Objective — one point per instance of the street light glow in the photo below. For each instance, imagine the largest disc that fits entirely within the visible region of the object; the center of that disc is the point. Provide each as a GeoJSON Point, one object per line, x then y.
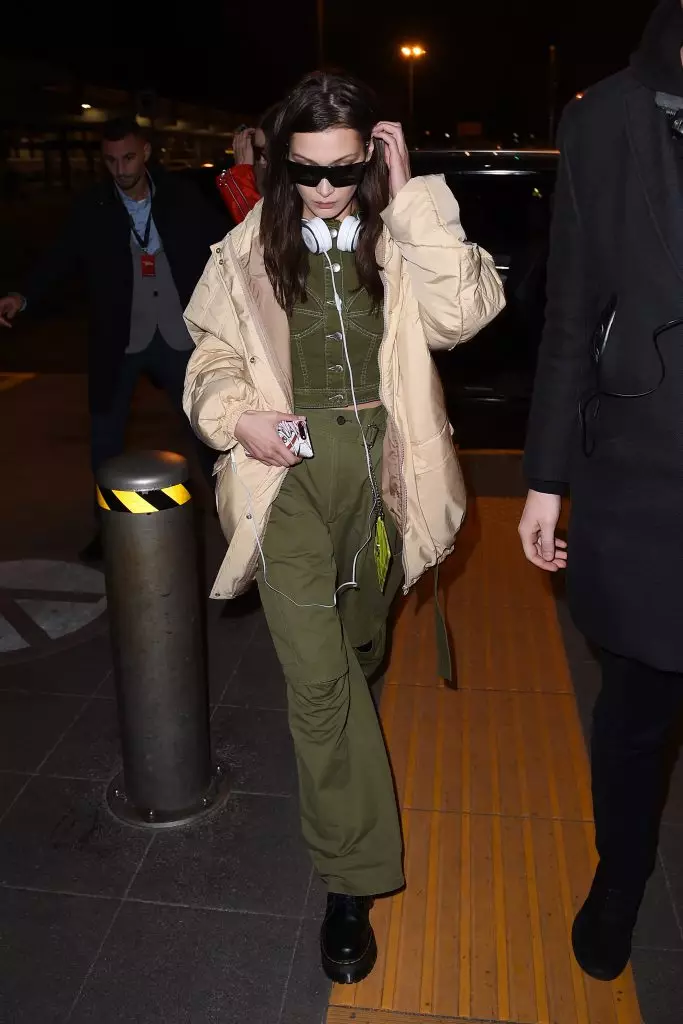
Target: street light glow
{"type": "Point", "coordinates": [413, 51]}
{"type": "Point", "coordinates": [86, 106]}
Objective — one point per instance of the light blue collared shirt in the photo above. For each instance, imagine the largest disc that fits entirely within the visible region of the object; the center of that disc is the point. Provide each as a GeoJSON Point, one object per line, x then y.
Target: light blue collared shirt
{"type": "Point", "coordinates": [139, 210]}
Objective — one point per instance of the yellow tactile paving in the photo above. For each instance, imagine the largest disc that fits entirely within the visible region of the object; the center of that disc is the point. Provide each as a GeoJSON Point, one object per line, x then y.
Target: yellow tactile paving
{"type": "Point", "coordinates": [494, 788]}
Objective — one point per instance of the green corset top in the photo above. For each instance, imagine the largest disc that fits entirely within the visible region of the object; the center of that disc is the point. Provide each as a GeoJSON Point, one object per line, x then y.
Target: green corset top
{"type": "Point", "coordinates": [319, 369]}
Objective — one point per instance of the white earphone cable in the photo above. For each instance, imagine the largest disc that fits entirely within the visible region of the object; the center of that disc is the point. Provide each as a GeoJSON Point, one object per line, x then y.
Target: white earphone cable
{"type": "Point", "coordinates": [376, 502]}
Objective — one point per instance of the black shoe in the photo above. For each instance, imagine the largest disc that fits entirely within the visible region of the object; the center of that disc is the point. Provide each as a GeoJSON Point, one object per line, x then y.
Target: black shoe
{"type": "Point", "coordinates": [603, 929]}
{"type": "Point", "coordinates": [93, 552]}
{"type": "Point", "coordinates": [347, 941]}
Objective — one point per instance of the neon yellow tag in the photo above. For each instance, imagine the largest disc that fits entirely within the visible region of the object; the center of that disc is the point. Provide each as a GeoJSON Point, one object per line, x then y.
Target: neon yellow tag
{"type": "Point", "coordinates": [382, 552]}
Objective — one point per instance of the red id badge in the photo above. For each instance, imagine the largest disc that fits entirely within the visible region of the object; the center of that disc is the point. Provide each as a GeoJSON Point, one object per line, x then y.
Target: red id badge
{"type": "Point", "coordinates": [148, 264]}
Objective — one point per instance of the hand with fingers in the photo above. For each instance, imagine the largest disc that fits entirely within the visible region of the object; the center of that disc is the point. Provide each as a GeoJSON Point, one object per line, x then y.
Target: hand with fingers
{"type": "Point", "coordinates": [243, 146]}
{"type": "Point", "coordinates": [537, 531]}
{"type": "Point", "coordinates": [10, 305]}
{"type": "Point", "coordinates": [395, 153]}
{"type": "Point", "coordinates": [257, 433]}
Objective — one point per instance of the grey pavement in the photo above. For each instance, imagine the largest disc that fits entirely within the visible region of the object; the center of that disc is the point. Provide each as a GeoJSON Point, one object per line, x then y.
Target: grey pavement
{"type": "Point", "coordinates": [100, 921]}
{"type": "Point", "coordinates": [217, 921]}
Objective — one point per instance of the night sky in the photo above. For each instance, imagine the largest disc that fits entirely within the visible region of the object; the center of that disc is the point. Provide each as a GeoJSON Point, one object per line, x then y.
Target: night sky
{"type": "Point", "coordinates": [487, 59]}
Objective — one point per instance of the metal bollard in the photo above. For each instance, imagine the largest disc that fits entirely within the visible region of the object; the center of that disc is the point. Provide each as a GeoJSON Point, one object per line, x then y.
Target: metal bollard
{"type": "Point", "coordinates": [153, 595]}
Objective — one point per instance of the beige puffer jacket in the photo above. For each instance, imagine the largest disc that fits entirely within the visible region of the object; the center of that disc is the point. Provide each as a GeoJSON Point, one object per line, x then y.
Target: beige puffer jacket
{"type": "Point", "coordinates": [439, 291]}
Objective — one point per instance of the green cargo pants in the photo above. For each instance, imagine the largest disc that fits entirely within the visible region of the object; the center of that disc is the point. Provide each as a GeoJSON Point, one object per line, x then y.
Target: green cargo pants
{"type": "Point", "coordinates": [320, 520]}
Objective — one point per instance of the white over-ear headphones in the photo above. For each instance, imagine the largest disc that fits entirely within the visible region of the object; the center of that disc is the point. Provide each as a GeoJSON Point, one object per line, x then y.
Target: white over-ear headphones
{"type": "Point", "coordinates": [318, 239]}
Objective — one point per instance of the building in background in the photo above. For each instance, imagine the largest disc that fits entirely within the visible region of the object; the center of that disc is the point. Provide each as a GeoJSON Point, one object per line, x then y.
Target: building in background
{"type": "Point", "coordinates": [49, 127]}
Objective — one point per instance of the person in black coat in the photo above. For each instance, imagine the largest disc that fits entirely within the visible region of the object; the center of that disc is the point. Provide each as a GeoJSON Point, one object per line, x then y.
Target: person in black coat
{"type": "Point", "coordinates": [606, 426]}
{"type": "Point", "coordinates": [141, 240]}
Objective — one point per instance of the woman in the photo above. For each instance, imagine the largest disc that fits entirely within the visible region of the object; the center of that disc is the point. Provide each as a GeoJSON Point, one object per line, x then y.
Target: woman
{"type": "Point", "coordinates": [340, 337]}
{"type": "Point", "coordinates": [241, 186]}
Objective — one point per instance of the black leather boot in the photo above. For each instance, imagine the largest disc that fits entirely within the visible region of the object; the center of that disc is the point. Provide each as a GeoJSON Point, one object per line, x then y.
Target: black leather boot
{"type": "Point", "coordinates": [347, 941]}
{"type": "Point", "coordinates": [603, 928]}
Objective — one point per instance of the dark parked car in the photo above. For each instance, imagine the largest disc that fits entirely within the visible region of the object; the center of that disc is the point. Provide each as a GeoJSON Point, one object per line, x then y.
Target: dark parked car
{"type": "Point", "coordinates": [505, 200]}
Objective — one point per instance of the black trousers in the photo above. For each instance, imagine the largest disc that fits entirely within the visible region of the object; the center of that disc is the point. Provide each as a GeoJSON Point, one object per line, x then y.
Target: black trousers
{"type": "Point", "coordinates": [636, 723]}
{"type": "Point", "coordinates": [166, 367]}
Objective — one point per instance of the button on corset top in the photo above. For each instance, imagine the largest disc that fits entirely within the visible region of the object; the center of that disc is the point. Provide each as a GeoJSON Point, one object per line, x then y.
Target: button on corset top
{"type": "Point", "coordinates": [319, 369]}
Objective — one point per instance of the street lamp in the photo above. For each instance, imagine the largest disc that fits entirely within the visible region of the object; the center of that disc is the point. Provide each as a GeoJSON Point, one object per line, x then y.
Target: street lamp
{"type": "Point", "coordinates": [412, 52]}
{"type": "Point", "coordinates": [320, 8]}
{"type": "Point", "coordinates": [552, 93]}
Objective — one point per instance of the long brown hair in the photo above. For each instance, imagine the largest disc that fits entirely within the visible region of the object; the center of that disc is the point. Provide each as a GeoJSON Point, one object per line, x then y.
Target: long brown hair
{"type": "Point", "coordinates": [319, 102]}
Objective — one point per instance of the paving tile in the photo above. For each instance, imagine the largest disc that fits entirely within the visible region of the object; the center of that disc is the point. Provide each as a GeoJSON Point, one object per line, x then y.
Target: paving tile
{"type": "Point", "coordinates": [308, 991]}
{"type": "Point", "coordinates": [107, 687]}
{"type": "Point", "coordinates": [257, 749]}
{"type": "Point", "coordinates": [659, 982]}
{"type": "Point", "coordinates": [31, 725]}
{"type": "Point", "coordinates": [47, 943]}
{"type": "Point", "coordinates": [229, 636]}
{"type": "Point", "coordinates": [60, 836]}
{"type": "Point", "coordinates": [258, 681]}
{"type": "Point", "coordinates": [79, 669]}
{"type": "Point", "coordinates": [250, 856]}
{"type": "Point", "coordinates": [316, 899]}
{"type": "Point", "coordinates": [91, 748]}
{"type": "Point", "coordinates": [186, 966]}
{"type": "Point", "coordinates": [658, 926]}
{"type": "Point", "coordinates": [11, 784]}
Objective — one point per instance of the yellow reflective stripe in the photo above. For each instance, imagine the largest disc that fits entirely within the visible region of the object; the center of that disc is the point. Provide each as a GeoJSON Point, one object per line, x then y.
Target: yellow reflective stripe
{"type": "Point", "coordinates": [100, 500]}
{"type": "Point", "coordinates": [178, 493]}
{"type": "Point", "coordinates": [133, 501]}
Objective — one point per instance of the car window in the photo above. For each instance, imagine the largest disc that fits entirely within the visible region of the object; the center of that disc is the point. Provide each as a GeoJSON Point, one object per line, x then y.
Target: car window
{"type": "Point", "coordinates": [505, 201]}
{"type": "Point", "coordinates": [503, 213]}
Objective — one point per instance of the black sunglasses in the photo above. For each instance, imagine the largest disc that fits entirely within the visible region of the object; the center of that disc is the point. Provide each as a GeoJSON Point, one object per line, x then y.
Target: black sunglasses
{"type": "Point", "coordinates": [338, 177]}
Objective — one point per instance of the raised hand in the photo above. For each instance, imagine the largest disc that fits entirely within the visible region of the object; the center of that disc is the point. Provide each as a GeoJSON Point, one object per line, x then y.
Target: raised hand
{"type": "Point", "coordinates": [395, 153]}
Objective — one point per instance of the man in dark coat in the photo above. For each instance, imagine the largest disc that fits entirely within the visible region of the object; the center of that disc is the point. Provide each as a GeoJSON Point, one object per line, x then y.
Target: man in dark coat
{"type": "Point", "coordinates": [141, 240]}
{"type": "Point", "coordinates": [607, 427]}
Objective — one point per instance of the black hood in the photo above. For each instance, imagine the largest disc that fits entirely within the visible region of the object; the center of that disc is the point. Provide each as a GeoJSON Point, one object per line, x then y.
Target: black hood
{"type": "Point", "coordinates": [657, 63]}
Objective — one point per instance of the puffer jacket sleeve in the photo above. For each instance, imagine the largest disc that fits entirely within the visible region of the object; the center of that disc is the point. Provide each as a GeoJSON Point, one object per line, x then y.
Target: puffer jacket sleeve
{"type": "Point", "coordinates": [455, 282]}
{"type": "Point", "coordinates": [217, 385]}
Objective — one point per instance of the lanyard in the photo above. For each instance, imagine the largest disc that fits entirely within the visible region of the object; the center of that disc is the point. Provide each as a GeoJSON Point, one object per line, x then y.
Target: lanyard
{"type": "Point", "coordinates": [143, 241]}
